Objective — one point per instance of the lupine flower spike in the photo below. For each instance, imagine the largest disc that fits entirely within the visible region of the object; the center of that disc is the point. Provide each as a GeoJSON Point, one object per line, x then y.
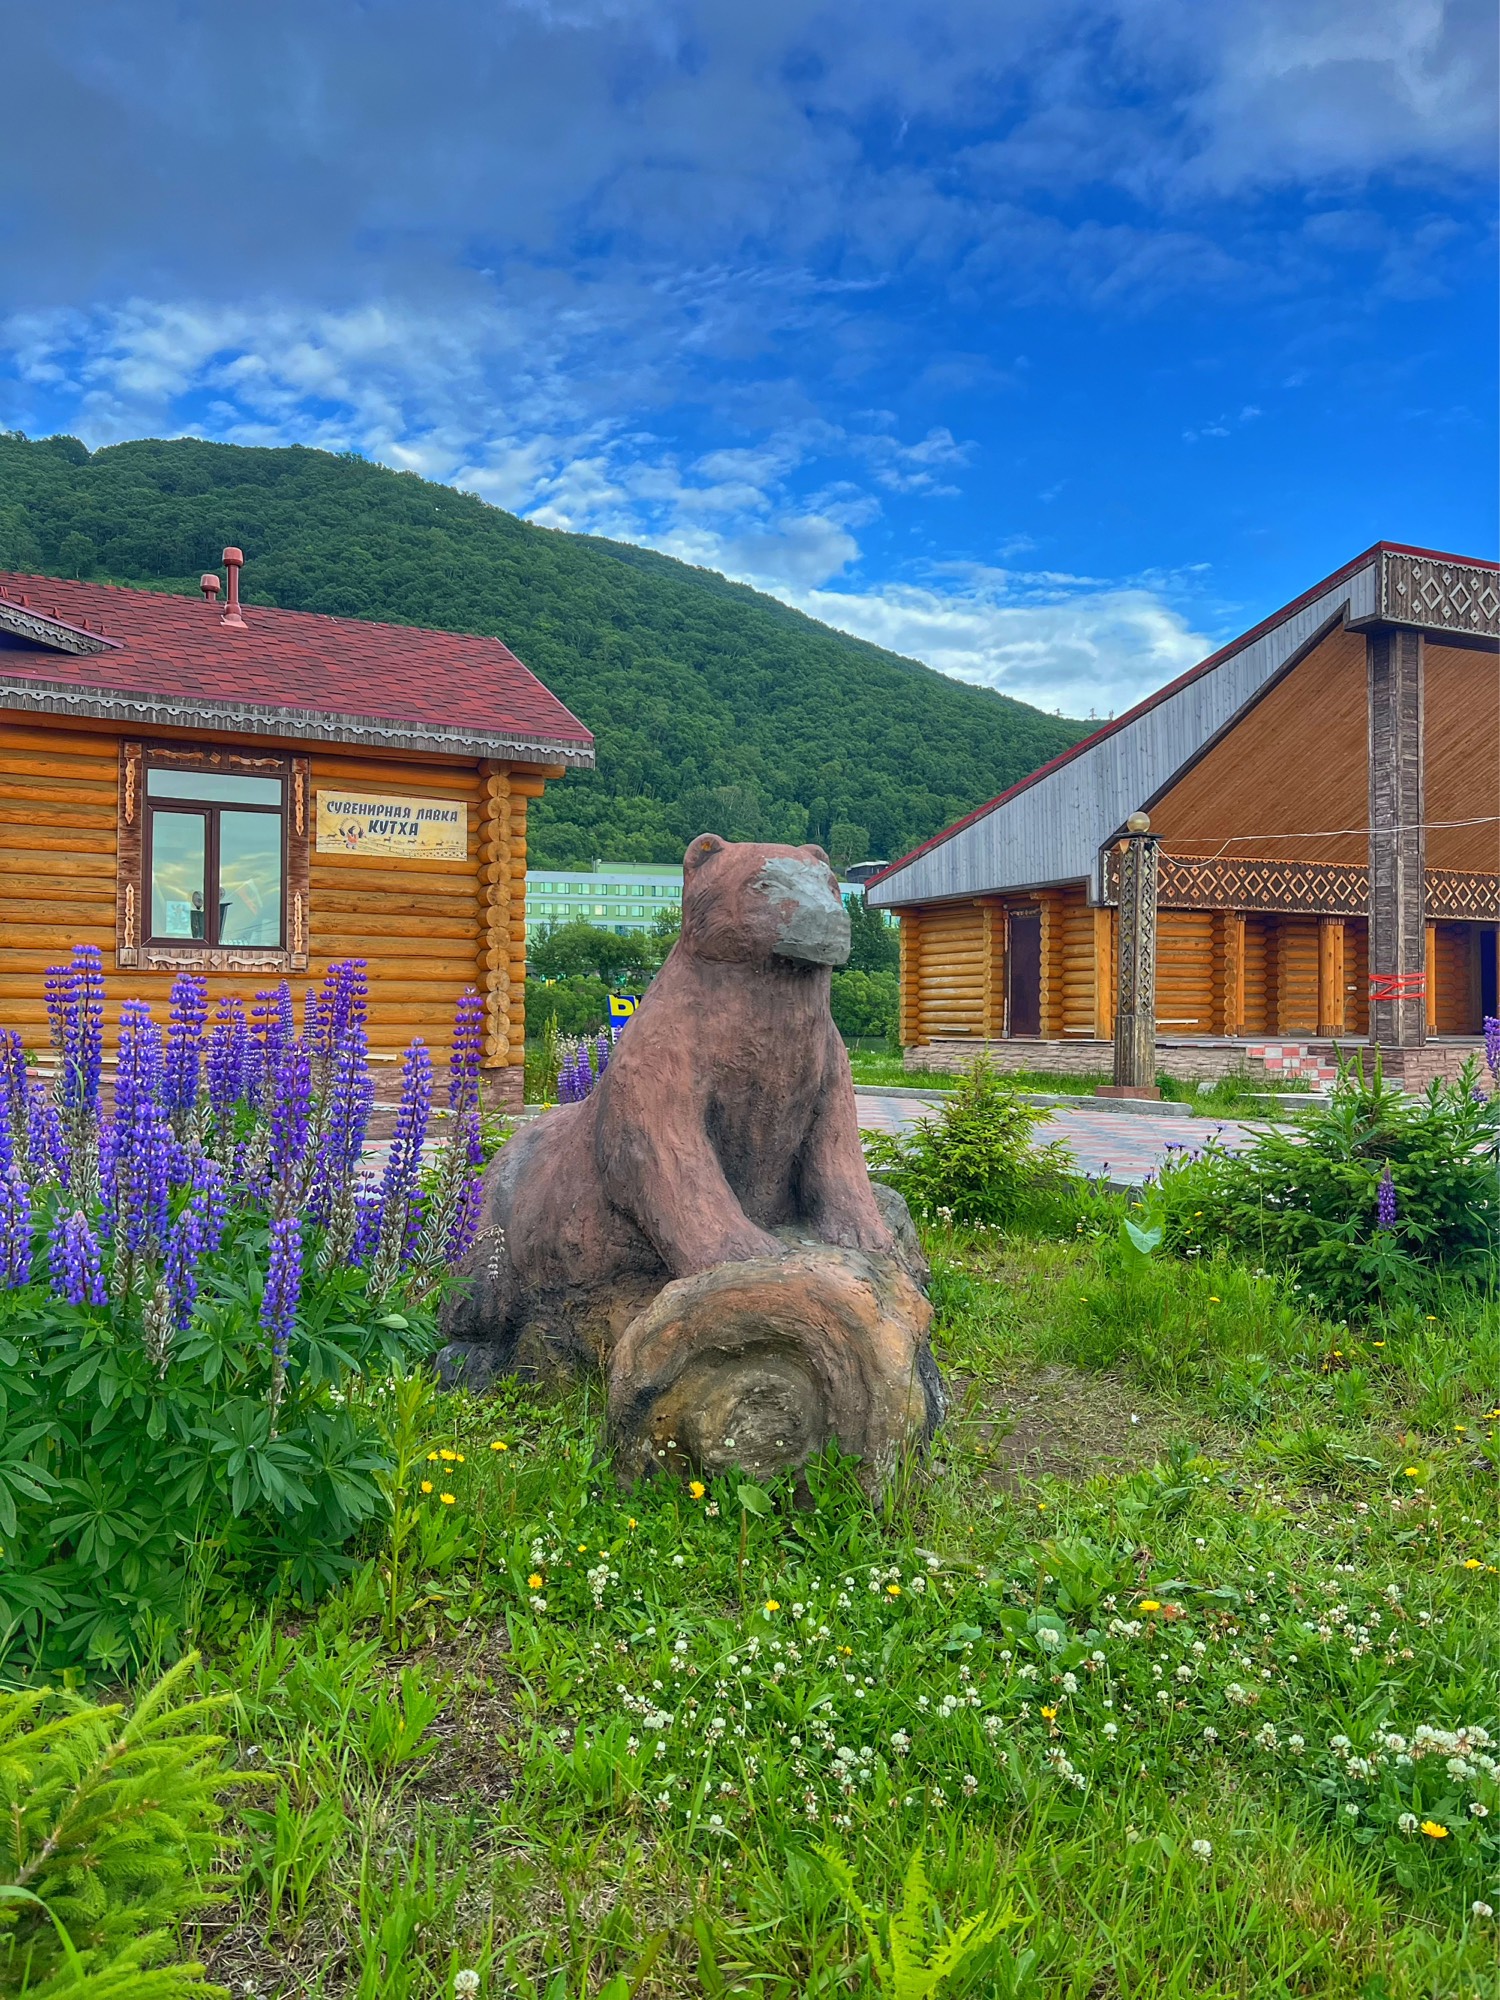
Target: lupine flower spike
{"type": "Point", "coordinates": [279, 1302]}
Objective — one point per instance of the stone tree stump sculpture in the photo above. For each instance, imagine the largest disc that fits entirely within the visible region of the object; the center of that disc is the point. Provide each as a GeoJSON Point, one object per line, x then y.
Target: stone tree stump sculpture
{"type": "Point", "coordinates": [702, 1226]}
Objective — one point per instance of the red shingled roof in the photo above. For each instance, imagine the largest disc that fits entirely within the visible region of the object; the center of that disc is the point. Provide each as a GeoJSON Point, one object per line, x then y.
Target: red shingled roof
{"type": "Point", "coordinates": [288, 673]}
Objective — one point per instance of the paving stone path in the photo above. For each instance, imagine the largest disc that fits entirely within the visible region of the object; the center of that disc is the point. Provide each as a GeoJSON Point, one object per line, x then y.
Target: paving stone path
{"type": "Point", "coordinates": [1116, 1146]}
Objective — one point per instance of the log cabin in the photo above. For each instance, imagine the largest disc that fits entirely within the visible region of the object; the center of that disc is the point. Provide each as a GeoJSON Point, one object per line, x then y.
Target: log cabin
{"type": "Point", "coordinates": [255, 793]}
{"type": "Point", "coordinates": [1325, 795]}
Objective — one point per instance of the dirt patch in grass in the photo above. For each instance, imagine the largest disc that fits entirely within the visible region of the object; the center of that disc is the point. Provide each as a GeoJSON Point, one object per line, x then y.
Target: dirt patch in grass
{"type": "Point", "coordinates": [1057, 1422]}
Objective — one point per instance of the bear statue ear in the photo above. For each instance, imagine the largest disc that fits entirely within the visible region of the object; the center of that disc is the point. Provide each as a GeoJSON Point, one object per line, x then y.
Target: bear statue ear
{"type": "Point", "coordinates": [700, 850]}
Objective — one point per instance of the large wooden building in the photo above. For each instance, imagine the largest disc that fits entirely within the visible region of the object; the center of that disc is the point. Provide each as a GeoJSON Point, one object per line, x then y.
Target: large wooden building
{"type": "Point", "coordinates": [1326, 793]}
{"type": "Point", "coordinates": [255, 793]}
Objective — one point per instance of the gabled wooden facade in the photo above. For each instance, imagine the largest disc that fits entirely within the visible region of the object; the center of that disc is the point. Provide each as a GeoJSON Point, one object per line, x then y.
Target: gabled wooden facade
{"type": "Point", "coordinates": [371, 781]}
{"type": "Point", "coordinates": [1372, 702]}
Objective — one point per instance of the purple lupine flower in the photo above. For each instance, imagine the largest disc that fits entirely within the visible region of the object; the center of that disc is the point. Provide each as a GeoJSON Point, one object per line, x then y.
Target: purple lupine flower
{"type": "Point", "coordinates": [142, 1183]}
{"type": "Point", "coordinates": [274, 1023]}
{"type": "Point", "coordinates": [138, 1071]}
{"type": "Point", "coordinates": [15, 1228]}
{"type": "Point", "coordinates": [603, 1049]}
{"type": "Point", "coordinates": [400, 1191]}
{"type": "Point", "coordinates": [350, 1093]}
{"type": "Point", "coordinates": [1385, 1201]}
{"type": "Point", "coordinates": [468, 1051]}
{"type": "Point", "coordinates": [367, 1207]}
{"type": "Point", "coordinates": [289, 1087]}
{"type": "Point", "coordinates": [463, 1227]}
{"type": "Point", "coordinates": [13, 1092]}
{"type": "Point", "coordinates": [73, 1261]}
{"type": "Point", "coordinates": [75, 1010]}
{"type": "Point", "coordinates": [339, 1011]}
{"type": "Point", "coordinates": [184, 1049]}
{"type": "Point", "coordinates": [194, 1235]}
{"type": "Point", "coordinates": [279, 1301]}
{"type": "Point", "coordinates": [1492, 1045]}
{"type": "Point", "coordinates": [46, 1144]}
{"type": "Point", "coordinates": [231, 1059]}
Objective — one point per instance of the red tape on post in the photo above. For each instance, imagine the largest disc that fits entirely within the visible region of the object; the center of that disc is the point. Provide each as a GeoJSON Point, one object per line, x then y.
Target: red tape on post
{"type": "Point", "coordinates": [1398, 985]}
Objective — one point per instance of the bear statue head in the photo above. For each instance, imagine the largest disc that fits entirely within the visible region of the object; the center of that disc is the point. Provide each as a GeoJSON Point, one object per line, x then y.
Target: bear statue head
{"type": "Point", "coordinates": [751, 900]}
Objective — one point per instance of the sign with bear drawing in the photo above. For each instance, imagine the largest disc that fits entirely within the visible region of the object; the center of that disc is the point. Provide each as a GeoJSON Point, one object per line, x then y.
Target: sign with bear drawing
{"type": "Point", "coordinates": [419, 829]}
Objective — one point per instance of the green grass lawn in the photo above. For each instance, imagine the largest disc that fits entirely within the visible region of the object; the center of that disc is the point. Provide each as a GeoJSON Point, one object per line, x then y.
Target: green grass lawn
{"type": "Point", "coordinates": [1148, 1659]}
{"type": "Point", "coordinates": [1231, 1096]}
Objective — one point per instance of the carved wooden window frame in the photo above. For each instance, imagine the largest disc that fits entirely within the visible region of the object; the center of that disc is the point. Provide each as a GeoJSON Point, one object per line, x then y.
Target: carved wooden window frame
{"type": "Point", "coordinates": [132, 891]}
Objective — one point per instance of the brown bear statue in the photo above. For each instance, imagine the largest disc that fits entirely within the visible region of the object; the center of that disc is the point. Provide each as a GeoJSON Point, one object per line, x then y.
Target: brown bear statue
{"type": "Point", "coordinates": [723, 1133]}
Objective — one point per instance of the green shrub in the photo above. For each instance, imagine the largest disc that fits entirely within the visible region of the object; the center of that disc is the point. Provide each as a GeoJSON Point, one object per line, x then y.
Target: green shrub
{"type": "Point", "coordinates": [975, 1161]}
{"type": "Point", "coordinates": [580, 1006]}
{"type": "Point", "coordinates": [1309, 1200]}
{"type": "Point", "coordinates": [865, 1005]}
{"type": "Point", "coordinates": [108, 1830]}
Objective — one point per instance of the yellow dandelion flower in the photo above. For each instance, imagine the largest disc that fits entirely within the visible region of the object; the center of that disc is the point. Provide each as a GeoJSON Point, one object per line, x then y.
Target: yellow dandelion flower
{"type": "Point", "coordinates": [1434, 1829]}
{"type": "Point", "coordinates": [1378, 1343]}
{"type": "Point", "coordinates": [1473, 1562]}
{"type": "Point", "coordinates": [447, 1456]}
{"type": "Point", "coordinates": [432, 1458]}
{"type": "Point", "coordinates": [1214, 1299]}
{"type": "Point", "coordinates": [1049, 1714]}
{"type": "Point", "coordinates": [499, 1444]}
{"type": "Point", "coordinates": [1148, 1604]}
{"type": "Point", "coordinates": [426, 1485]}
{"type": "Point", "coordinates": [446, 1498]}
{"type": "Point", "coordinates": [459, 1456]}
{"type": "Point", "coordinates": [632, 1524]}
{"type": "Point", "coordinates": [773, 1604]}
{"type": "Point", "coordinates": [1414, 1472]}
{"type": "Point", "coordinates": [847, 1651]}
{"type": "Point", "coordinates": [893, 1590]}
{"type": "Point", "coordinates": [534, 1582]}
{"type": "Point", "coordinates": [697, 1488]}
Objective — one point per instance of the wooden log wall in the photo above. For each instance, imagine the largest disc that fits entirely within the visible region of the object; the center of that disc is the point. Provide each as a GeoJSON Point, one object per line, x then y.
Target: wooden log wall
{"type": "Point", "coordinates": [1185, 973]}
{"type": "Point", "coordinates": [429, 929]}
{"type": "Point", "coordinates": [1219, 973]}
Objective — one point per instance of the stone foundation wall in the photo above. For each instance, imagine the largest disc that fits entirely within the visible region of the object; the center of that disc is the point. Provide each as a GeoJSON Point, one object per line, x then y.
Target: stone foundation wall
{"type": "Point", "coordinates": [1313, 1062]}
{"type": "Point", "coordinates": [1191, 1063]}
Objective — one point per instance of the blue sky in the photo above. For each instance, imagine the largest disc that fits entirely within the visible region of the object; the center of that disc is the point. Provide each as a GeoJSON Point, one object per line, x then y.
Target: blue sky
{"type": "Point", "coordinates": [1049, 341]}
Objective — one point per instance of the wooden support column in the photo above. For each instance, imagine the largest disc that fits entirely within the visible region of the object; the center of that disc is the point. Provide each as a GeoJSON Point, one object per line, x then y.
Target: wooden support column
{"type": "Point", "coordinates": [1104, 975]}
{"type": "Point", "coordinates": [1397, 844]}
{"type": "Point", "coordinates": [1135, 1020]}
{"type": "Point", "coordinates": [494, 912]}
{"type": "Point", "coordinates": [911, 979]}
{"type": "Point", "coordinates": [1230, 944]}
{"type": "Point", "coordinates": [1051, 905]}
{"type": "Point", "coordinates": [1429, 966]}
{"type": "Point", "coordinates": [992, 1019]}
{"type": "Point", "coordinates": [1331, 1007]}
{"type": "Point", "coordinates": [524, 786]}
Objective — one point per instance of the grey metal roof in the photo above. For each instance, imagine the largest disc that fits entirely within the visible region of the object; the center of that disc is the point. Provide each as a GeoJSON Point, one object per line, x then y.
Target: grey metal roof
{"type": "Point", "coordinates": [1053, 826]}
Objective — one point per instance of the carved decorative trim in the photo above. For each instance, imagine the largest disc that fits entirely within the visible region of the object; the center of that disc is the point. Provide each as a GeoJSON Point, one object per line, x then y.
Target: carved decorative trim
{"type": "Point", "coordinates": [299, 864]}
{"type": "Point", "coordinates": [216, 958]}
{"type": "Point", "coordinates": [58, 635]}
{"type": "Point", "coordinates": [1306, 888]}
{"type": "Point", "coordinates": [1439, 596]}
{"type": "Point", "coordinates": [128, 856]}
{"type": "Point", "coordinates": [307, 725]}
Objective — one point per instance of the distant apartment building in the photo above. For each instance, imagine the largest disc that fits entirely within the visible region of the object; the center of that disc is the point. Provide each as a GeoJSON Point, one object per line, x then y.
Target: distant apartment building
{"type": "Point", "coordinates": [621, 896]}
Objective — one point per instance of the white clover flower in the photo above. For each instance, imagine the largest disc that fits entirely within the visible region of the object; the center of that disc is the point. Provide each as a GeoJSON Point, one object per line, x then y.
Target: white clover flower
{"type": "Point", "coordinates": [465, 1984]}
{"type": "Point", "coordinates": [1407, 1822]}
{"type": "Point", "coordinates": [1203, 1849]}
{"type": "Point", "coordinates": [1111, 1729]}
{"type": "Point", "coordinates": [1481, 1910]}
{"type": "Point", "coordinates": [1479, 1811]}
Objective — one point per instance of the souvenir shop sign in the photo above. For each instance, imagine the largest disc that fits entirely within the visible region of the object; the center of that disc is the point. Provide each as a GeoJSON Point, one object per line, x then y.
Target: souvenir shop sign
{"type": "Point", "coordinates": [419, 829]}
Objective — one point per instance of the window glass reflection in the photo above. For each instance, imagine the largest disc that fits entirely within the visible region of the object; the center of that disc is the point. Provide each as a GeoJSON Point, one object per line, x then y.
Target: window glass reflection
{"type": "Point", "coordinates": [249, 878]}
{"type": "Point", "coordinates": [179, 849]}
{"type": "Point", "coordinates": [215, 787]}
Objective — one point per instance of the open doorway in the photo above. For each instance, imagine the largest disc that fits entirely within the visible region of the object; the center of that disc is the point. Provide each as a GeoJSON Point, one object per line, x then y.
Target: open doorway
{"type": "Point", "coordinates": [1023, 973]}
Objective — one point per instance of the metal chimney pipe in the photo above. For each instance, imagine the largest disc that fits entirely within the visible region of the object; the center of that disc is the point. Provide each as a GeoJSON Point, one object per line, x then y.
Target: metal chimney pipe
{"type": "Point", "coordinates": [233, 558]}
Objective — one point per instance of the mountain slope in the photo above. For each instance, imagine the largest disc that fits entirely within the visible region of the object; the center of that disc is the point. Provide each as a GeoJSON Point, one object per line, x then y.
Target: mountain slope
{"type": "Point", "coordinates": [714, 707]}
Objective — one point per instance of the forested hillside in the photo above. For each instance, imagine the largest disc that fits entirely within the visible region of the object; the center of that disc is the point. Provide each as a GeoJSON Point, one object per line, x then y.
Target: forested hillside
{"type": "Point", "coordinates": [714, 707]}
